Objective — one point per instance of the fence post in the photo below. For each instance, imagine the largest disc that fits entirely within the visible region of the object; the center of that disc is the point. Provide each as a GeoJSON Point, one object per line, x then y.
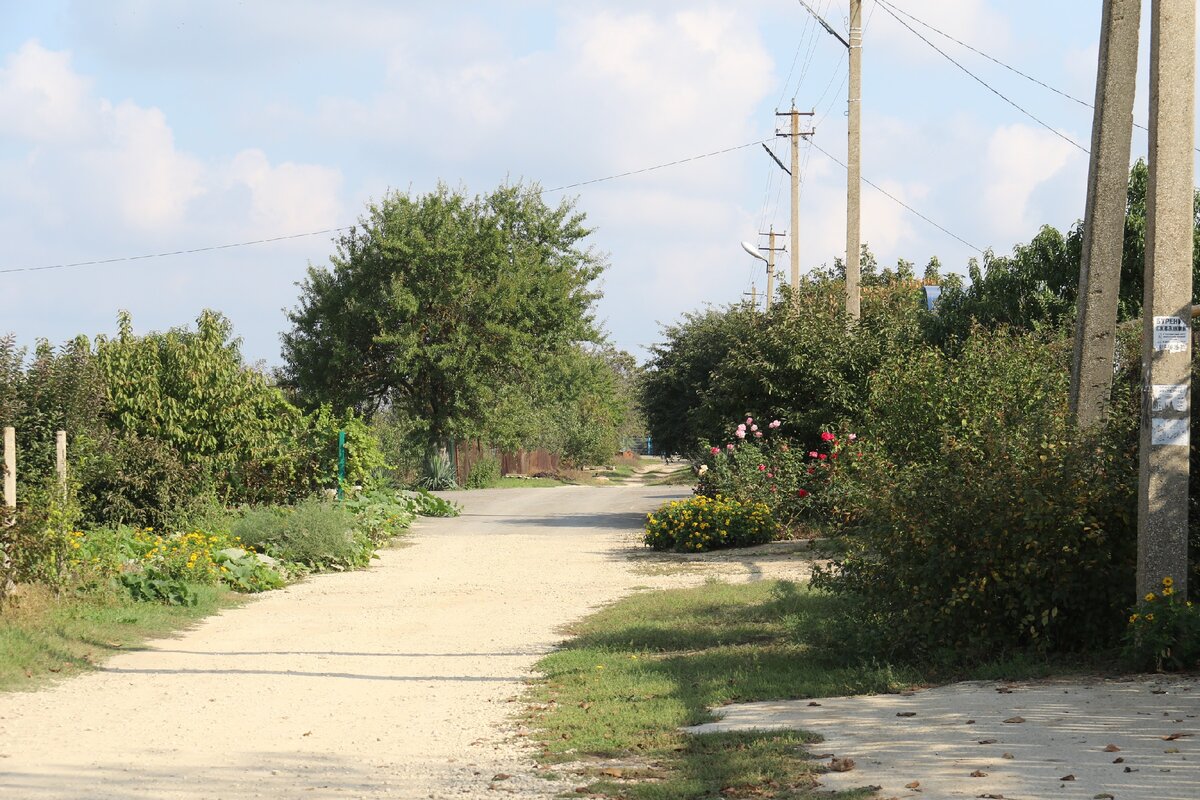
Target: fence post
{"type": "Point", "coordinates": [10, 467]}
{"type": "Point", "coordinates": [60, 460]}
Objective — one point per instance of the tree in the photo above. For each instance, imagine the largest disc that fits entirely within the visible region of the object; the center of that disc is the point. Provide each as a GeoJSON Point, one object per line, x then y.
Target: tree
{"type": "Point", "coordinates": [436, 306]}
{"type": "Point", "coordinates": [1038, 284]}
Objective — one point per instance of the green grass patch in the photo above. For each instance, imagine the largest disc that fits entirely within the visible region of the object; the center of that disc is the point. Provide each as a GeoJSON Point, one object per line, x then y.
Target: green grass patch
{"type": "Point", "coordinates": [683, 476]}
{"type": "Point", "coordinates": [44, 637]}
{"type": "Point", "coordinates": [638, 670]}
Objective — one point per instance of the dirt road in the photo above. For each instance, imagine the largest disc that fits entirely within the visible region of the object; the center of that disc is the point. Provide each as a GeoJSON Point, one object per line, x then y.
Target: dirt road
{"type": "Point", "coordinates": [394, 682]}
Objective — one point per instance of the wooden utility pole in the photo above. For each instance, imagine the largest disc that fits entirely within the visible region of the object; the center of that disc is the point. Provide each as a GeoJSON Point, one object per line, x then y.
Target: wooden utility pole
{"type": "Point", "coordinates": [853, 162]}
{"type": "Point", "coordinates": [795, 134]}
{"type": "Point", "coordinates": [1166, 308]}
{"type": "Point", "coordinates": [1104, 216]}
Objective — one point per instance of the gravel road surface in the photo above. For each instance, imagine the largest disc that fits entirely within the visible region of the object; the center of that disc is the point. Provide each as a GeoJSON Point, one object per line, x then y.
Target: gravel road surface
{"type": "Point", "coordinates": [394, 682]}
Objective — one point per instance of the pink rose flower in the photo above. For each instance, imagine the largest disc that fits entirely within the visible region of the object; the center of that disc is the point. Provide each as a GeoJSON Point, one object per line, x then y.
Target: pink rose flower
{"type": "Point", "coordinates": [715, 450]}
{"type": "Point", "coordinates": [729, 447]}
{"type": "Point", "coordinates": [826, 436]}
{"type": "Point", "coordinates": [758, 434]}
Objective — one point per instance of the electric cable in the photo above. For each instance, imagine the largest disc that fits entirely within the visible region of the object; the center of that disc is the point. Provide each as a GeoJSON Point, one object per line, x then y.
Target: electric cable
{"type": "Point", "coordinates": [267, 240]}
{"type": "Point", "coordinates": [887, 7]}
{"type": "Point", "coordinates": [897, 200]}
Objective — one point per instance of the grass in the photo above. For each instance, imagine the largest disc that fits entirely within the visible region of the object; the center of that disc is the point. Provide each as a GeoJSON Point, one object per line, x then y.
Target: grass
{"type": "Point", "coordinates": [44, 637]}
{"type": "Point", "coordinates": [683, 476]}
{"type": "Point", "coordinates": [637, 671]}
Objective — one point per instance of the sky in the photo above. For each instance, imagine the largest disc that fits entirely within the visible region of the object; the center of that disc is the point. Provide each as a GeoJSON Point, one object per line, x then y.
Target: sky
{"type": "Point", "coordinates": [135, 127]}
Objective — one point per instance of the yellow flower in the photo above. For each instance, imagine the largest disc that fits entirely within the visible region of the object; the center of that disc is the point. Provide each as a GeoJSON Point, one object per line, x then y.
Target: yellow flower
{"type": "Point", "coordinates": [1150, 597]}
{"type": "Point", "coordinates": [1168, 582]}
{"type": "Point", "coordinates": [1133, 619]}
{"type": "Point", "coordinates": [1149, 618]}
{"type": "Point", "coordinates": [1167, 592]}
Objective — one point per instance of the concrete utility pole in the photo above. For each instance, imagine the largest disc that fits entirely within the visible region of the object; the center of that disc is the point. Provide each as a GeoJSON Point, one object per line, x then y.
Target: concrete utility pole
{"type": "Point", "coordinates": [854, 162]}
{"type": "Point", "coordinates": [1166, 310]}
{"type": "Point", "coordinates": [1104, 217]}
{"type": "Point", "coordinates": [771, 251]}
{"type": "Point", "coordinates": [795, 134]}
{"type": "Point", "coordinates": [10, 468]}
{"type": "Point", "coordinates": [60, 460]}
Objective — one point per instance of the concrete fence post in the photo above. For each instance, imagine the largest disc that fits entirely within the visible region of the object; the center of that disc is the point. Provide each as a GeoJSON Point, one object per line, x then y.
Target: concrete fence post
{"type": "Point", "coordinates": [60, 460]}
{"type": "Point", "coordinates": [10, 467]}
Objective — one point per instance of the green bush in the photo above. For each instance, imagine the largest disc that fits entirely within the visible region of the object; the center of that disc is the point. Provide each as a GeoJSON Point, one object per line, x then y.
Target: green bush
{"type": "Point", "coordinates": [484, 473]}
{"type": "Point", "coordinates": [990, 524]}
{"type": "Point", "coordinates": [315, 534]}
{"type": "Point", "coordinates": [381, 515]}
{"type": "Point", "coordinates": [796, 482]}
{"type": "Point", "coordinates": [438, 473]}
{"type": "Point", "coordinates": [1164, 632]}
{"type": "Point", "coordinates": [428, 505]}
{"type": "Point", "coordinates": [702, 523]}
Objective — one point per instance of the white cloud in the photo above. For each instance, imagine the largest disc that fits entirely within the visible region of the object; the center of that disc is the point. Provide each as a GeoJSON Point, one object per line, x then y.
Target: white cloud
{"type": "Point", "coordinates": [972, 21]}
{"type": "Point", "coordinates": [41, 97]}
{"type": "Point", "coordinates": [288, 198]}
{"type": "Point", "coordinates": [1019, 160]}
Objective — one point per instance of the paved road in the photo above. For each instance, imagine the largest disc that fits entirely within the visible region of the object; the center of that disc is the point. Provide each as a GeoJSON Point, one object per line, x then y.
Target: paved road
{"type": "Point", "coordinates": [395, 682]}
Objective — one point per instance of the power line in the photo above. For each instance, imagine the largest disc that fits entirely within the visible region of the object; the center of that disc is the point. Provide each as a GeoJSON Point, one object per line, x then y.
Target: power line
{"type": "Point", "coordinates": [231, 245]}
{"type": "Point", "coordinates": [887, 7]}
{"type": "Point", "coordinates": [208, 249]}
{"type": "Point", "coordinates": [895, 199]}
{"type": "Point", "coordinates": [1009, 67]}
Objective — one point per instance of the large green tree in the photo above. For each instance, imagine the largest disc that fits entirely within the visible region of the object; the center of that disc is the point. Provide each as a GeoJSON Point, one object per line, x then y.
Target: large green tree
{"type": "Point", "coordinates": [441, 306]}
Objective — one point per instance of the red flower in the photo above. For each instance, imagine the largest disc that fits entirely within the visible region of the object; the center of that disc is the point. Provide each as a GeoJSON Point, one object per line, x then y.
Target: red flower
{"type": "Point", "coordinates": [826, 436]}
{"type": "Point", "coordinates": [810, 470]}
{"type": "Point", "coordinates": [812, 454]}
{"type": "Point", "coordinates": [833, 455]}
{"type": "Point", "coordinates": [715, 450]}
{"type": "Point", "coordinates": [822, 456]}
{"type": "Point", "coordinates": [802, 493]}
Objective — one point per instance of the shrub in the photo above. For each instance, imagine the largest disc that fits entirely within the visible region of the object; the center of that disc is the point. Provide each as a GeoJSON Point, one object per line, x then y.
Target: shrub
{"type": "Point", "coordinates": [438, 473]}
{"type": "Point", "coordinates": [484, 473]}
{"type": "Point", "coordinates": [993, 526]}
{"type": "Point", "coordinates": [796, 482]}
{"type": "Point", "coordinates": [381, 515]}
{"type": "Point", "coordinates": [1164, 632]}
{"type": "Point", "coordinates": [428, 505]}
{"type": "Point", "coordinates": [703, 523]}
{"type": "Point", "coordinates": [315, 534]}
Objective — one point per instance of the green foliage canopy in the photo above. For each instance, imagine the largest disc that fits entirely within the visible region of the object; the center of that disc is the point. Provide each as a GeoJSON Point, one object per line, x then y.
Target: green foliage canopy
{"type": "Point", "coordinates": [442, 307]}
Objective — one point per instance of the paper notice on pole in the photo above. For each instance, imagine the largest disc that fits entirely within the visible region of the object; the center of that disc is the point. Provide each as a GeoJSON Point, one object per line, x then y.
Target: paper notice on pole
{"type": "Point", "coordinates": [1170, 432]}
{"type": "Point", "coordinates": [1170, 397]}
{"type": "Point", "coordinates": [1170, 334]}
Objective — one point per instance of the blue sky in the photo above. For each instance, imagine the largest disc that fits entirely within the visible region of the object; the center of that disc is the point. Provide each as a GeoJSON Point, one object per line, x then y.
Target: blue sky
{"type": "Point", "coordinates": [131, 127]}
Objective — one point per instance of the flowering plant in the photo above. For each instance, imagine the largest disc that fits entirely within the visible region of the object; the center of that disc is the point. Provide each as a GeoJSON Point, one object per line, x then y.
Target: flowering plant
{"type": "Point", "coordinates": [793, 483]}
{"type": "Point", "coordinates": [703, 523]}
{"type": "Point", "coordinates": [1163, 631]}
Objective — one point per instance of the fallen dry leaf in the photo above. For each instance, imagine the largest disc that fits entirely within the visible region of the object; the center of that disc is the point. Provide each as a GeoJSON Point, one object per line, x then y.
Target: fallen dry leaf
{"type": "Point", "coordinates": [906, 713]}
{"type": "Point", "coordinates": [814, 703]}
{"type": "Point", "coordinates": [1067, 778]}
{"type": "Point", "coordinates": [1118, 760]}
{"type": "Point", "coordinates": [613, 773]}
{"type": "Point", "coordinates": [1103, 796]}
{"type": "Point", "coordinates": [1171, 750]}
{"type": "Point", "coordinates": [988, 741]}
{"type": "Point", "coordinates": [1170, 737]}
{"type": "Point", "coordinates": [1015, 720]}
{"type": "Point", "coordinates": [913, 785]}
{"type": "Point", "coordinates": [1009, 756]}
{"type": "Point", "coordinates": [1112, 748]}
{"type": "Point", "coordinates": [501, 776]}
{"type": "Point", "coordinates": [841, 764]}
{"type": "Point", "coordinates": [978, 774]}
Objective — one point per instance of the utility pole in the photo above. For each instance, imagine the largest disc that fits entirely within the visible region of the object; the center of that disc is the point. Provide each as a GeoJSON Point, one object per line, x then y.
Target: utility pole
{"type": "Point", "coordinates": [854, 162]}
{"type": "Point", "coordinates": [771, 251]}
{"type": "Point", "coordinates": [795, 134]}
{"type": "Point", "coordinates": [1166, 308]}
{"type": "Point", "coordinates": [1104, 217]}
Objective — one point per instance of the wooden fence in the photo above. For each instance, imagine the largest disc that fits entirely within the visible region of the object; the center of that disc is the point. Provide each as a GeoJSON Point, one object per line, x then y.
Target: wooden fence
{"type": "Point", "coordinates": [521, 462]}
